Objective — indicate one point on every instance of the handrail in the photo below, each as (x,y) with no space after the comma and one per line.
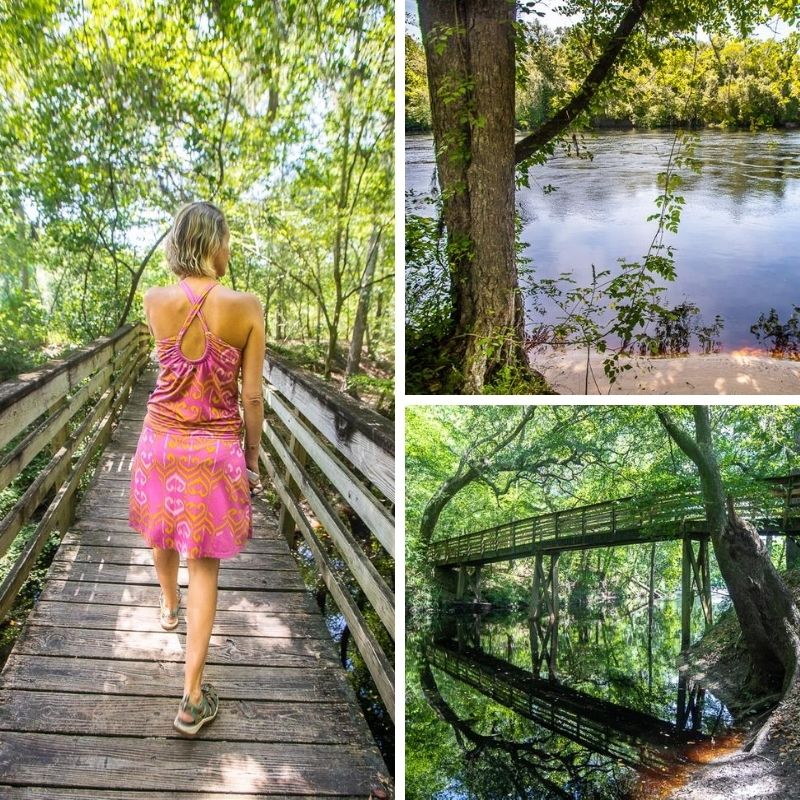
(571,527)
(68,406)
(330,459)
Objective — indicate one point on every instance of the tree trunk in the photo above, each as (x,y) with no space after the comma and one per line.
(123,318)
(792,553)
(764,606)
(357,339)
(470,52)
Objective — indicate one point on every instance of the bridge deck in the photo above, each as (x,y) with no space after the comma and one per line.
(88,693)
(610,524)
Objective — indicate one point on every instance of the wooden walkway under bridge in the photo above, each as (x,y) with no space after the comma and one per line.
(90,689)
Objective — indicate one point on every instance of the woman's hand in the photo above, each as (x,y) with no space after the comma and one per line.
(254,480)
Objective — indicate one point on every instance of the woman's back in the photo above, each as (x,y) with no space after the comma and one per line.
(228,314)
(200,335)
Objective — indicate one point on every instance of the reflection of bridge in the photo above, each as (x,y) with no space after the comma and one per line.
(630,520)
(609,729)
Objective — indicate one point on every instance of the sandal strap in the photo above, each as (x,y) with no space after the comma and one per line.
(172,612)
(209,702)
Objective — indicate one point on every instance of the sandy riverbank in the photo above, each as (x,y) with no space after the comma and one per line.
(723,373)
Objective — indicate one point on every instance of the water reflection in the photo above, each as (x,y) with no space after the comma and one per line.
(586,704)
(737,242)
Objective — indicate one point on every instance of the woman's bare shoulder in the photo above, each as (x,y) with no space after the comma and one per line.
(246,302)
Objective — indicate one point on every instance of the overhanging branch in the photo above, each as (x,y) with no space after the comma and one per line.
(563,118)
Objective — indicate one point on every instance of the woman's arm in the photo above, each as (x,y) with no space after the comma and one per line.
(252,383)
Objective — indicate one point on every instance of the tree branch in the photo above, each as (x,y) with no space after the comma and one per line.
(563,118)
(680,437)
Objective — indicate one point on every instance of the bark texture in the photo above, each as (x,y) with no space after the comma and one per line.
(470,55)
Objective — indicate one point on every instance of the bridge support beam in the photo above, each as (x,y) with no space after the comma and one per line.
(543,615)
(792,552)
(695,574)
(469,582)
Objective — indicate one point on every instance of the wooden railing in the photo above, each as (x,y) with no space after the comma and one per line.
(66,409)
(330,459)
(614,522)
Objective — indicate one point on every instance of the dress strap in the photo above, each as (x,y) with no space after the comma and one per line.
(187,290)
(194,311)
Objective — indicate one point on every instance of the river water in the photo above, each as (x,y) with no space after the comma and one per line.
(609,716)
(738,244)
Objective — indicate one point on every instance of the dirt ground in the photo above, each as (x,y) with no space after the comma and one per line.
(723,373)
(772,770)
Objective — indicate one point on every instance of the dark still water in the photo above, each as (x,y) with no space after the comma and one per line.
(493,712)
(737,246)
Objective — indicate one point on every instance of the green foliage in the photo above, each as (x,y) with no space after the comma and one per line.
(782,338)
(113,114)
(733,82)
(23,333)
(418,111)
(571,456)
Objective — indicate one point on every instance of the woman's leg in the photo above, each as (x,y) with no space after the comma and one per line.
(167,562)
(201,608)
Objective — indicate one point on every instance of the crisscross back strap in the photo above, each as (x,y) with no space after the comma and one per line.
(194,311)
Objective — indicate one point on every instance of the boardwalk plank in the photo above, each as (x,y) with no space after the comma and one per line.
(57,793)
(128,763)
(83,553)
(171,646)
(228,578)
(145,618)
(238,720)
(105,534)
(165,679)
(270,602)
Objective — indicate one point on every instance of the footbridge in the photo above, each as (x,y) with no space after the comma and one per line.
(627,521)
(89,690)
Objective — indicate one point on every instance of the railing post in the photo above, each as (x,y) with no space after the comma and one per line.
(286,523)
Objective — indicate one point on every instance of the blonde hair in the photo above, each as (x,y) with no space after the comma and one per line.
(197,233)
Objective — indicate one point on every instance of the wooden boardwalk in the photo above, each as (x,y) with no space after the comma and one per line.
(613,523)
(89,692)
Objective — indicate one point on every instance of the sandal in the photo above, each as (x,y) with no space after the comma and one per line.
(169,616)
(202,713)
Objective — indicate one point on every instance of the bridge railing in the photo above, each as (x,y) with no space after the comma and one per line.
(678,511)
(546,708)
(65,410)
(331,462)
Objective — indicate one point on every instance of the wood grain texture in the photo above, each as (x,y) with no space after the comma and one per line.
(272,602)
(143,557)
(146,764)
(228,578)
(56,793)
(239,720)
(127,617)
(89,692)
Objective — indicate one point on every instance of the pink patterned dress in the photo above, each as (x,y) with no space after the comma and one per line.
(189,487)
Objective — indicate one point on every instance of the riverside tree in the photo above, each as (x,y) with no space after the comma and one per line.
(472,60)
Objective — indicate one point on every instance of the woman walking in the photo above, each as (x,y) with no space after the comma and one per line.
(190,481)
